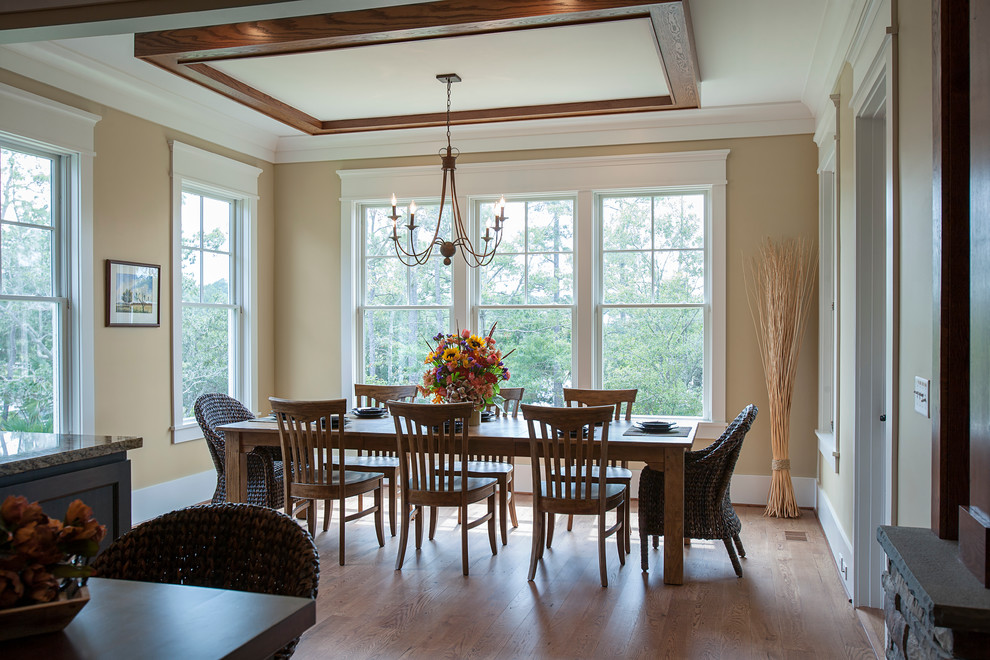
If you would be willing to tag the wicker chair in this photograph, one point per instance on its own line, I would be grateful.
(265, 486)
(223, 546)
(708, 512)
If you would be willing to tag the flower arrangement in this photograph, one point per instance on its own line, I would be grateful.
(41, 557)
(464, 367)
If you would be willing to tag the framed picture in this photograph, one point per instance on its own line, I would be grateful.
(133, 294)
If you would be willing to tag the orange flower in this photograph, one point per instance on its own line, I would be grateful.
(80, 525)
(11, 588)
(17, 511)
(39, 585)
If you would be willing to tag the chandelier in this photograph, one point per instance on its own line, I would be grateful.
(472, 255)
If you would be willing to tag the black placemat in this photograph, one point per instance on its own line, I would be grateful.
(679, 432)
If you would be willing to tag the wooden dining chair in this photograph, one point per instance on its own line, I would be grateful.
(386, 462)
(616, 472)
(432, 439)
(511, 397)
(309, 443)
(565, 444)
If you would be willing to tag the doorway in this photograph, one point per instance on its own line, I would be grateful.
(874, 343)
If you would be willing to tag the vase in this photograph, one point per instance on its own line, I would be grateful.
(475, 418)
(41, 618)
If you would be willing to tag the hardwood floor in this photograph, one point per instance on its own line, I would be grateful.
(788, 604)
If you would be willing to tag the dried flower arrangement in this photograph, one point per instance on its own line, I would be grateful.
(40, 557)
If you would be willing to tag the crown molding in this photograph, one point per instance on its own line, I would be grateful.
(647, 128)
(139, 89)
(146, 93)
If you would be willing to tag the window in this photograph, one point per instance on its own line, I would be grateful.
(653, 304)
(33, 291)
(211, 328)
(214, 287)
(46, 264)
(610, 275)
(401, 306)
(528, 290)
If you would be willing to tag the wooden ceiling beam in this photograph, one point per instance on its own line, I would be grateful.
(430, 20)
(188, 53)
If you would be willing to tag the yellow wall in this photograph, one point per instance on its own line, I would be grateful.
(772, 190)
(131, 221)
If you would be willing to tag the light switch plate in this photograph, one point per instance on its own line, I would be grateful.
(921, 395)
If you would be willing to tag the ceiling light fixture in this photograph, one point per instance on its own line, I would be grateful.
(472, 256)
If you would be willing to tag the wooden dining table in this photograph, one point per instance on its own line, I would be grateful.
(152, 621)
(502, 436)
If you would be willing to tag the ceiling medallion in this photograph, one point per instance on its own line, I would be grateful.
(460, 240)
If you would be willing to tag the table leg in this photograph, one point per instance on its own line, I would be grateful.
(236, 467)
(673, 516)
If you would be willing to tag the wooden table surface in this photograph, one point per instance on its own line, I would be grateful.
(505, 435)
(147, 620)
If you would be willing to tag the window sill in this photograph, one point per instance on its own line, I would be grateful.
(186, 433)
(826, 447)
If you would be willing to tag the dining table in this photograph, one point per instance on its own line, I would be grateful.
(153, 621)
(502, 436)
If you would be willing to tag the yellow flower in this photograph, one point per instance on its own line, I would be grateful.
(451, 354)
(475, 342)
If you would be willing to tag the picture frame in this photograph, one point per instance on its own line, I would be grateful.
(133, 294)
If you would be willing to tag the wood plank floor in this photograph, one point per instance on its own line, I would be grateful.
(789, 603)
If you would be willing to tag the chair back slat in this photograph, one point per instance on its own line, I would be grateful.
(565, 444)
(511, 397)
(308, 439)
(430, 445)
(579, 397)
(379, 395)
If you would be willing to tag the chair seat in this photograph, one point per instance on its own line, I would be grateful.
(611, 473)
(577, 491)
(473, 483)
(487, 467)
(354, 477)
(374, 462)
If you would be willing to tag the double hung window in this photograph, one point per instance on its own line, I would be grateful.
(528, 290)
(214, 288)
(401, 306)
(653, 299)
(33, 290)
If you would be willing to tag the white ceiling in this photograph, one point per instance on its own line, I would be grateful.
(528, 67)
(754, 55)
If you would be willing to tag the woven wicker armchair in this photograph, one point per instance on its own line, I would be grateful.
(223, 546)
(708, 512)
(265, 487)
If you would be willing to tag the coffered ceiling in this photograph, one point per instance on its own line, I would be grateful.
(366, 69)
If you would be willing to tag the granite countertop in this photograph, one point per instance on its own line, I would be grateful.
(24, 452)
(937, 577)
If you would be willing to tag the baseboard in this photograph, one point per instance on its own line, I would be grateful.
(838, 542)
(147, 503)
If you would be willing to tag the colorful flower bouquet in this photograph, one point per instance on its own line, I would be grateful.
(41, 557)
(464, 367)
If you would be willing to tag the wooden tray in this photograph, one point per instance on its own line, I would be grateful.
(41, 618)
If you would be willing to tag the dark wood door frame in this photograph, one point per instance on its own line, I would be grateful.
(950, 267)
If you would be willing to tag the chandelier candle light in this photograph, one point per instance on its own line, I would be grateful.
(474, 257)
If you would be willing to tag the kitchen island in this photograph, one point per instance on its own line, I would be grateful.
(56, 468)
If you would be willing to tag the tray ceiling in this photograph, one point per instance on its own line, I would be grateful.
(344, 72)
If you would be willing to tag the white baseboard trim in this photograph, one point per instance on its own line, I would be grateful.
(838, 542)
(147, 503)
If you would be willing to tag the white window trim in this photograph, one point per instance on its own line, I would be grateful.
(208, 172)
(69, 131)
(579, 177)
